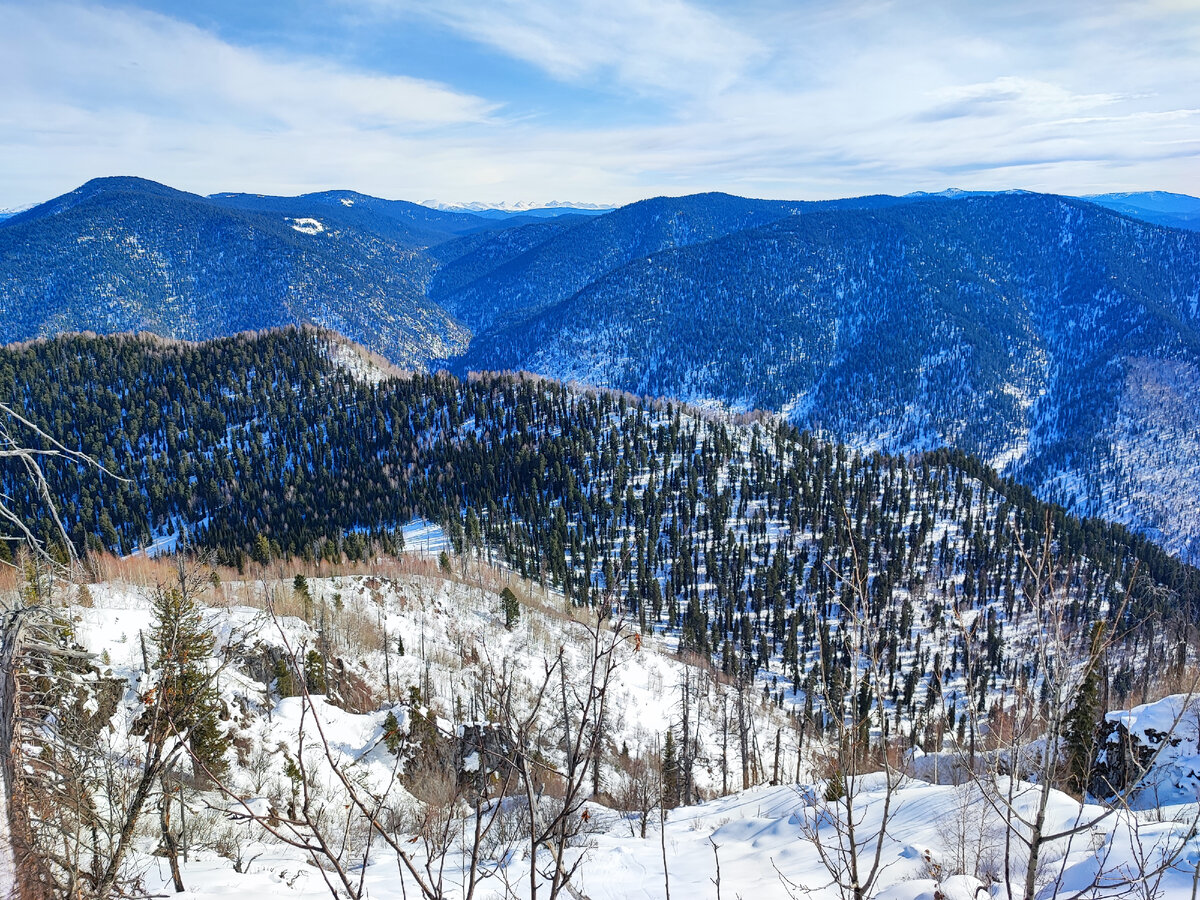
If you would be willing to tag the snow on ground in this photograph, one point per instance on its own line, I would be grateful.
(8, 869)
(760, 840)
(421, 536)
(360, 363)
(307, 226)
(1175, 778)
(762, 837)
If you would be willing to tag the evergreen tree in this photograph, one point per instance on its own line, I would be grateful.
(392, 738)
(314, 672)
(300, 589)
(1082, 721)
(670, 771)
(183, 700)
(285, 683)
(261, 553)
(511, 607)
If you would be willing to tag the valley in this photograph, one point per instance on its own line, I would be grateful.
(769, 470)
(1020, 328)
(298, 615)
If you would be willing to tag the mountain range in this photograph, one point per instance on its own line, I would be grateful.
(547, 210)
(1159, 207)
(124, 254)
(1056, 338)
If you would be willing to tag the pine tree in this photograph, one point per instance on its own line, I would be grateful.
(184, 701)
(670, 771)
(511, 607)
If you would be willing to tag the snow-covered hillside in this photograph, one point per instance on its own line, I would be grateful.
(755, 844)
(427, 646)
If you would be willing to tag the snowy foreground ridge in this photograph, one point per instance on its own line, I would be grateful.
(942, 840)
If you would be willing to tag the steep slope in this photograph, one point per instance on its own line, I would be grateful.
(130, 255)
(742, 546)
(1053, 337)
(736, 539)
(521, 275)
(1028, 329)
(943, 839)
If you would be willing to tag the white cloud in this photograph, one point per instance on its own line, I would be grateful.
(825, 98)
(115, 60)
(665, 46)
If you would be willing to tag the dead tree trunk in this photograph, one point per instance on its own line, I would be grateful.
(10, 642)
(169, 841)
(743, 732)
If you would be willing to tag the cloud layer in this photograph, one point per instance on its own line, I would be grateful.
(813, 99)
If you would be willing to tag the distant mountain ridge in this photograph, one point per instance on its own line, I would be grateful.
(1159, 207)
(1054, 337)
(547, 210)
(125, 254)
(1051, 337)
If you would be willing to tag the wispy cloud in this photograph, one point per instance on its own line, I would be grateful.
(666, 46)
(135, 60)
(773, 98)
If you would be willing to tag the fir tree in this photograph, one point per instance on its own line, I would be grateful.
(511, 607)
(184, 701)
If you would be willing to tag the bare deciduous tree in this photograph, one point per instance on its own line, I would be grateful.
(1026, 761)
(850, 815)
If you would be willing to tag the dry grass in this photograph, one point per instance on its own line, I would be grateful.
(10, 579)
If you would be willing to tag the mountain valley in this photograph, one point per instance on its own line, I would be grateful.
(1054, 338)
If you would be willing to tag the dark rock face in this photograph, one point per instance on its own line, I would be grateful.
(485, 754)
(1125, 758)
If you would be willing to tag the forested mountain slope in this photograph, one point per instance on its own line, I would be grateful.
(1159, 207)
(740, 539)
(512, 276)
(129, 255)
(1057, 340)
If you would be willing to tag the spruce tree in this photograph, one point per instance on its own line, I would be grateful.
(511, 607)
(184, 701)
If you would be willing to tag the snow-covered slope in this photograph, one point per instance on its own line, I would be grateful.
(1017, 327)
(942, 841)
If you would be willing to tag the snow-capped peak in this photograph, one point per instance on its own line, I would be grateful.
(518, 206)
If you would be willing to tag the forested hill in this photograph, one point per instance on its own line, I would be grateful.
(742, 539)
(124, 254)
(509, 276)
(1056, 339)
(1052, 337)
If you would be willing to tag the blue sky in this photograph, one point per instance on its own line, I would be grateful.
(602, 101)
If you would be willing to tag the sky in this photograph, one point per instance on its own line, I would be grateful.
(600, 101)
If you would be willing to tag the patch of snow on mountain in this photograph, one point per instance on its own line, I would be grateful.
(307, 226)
